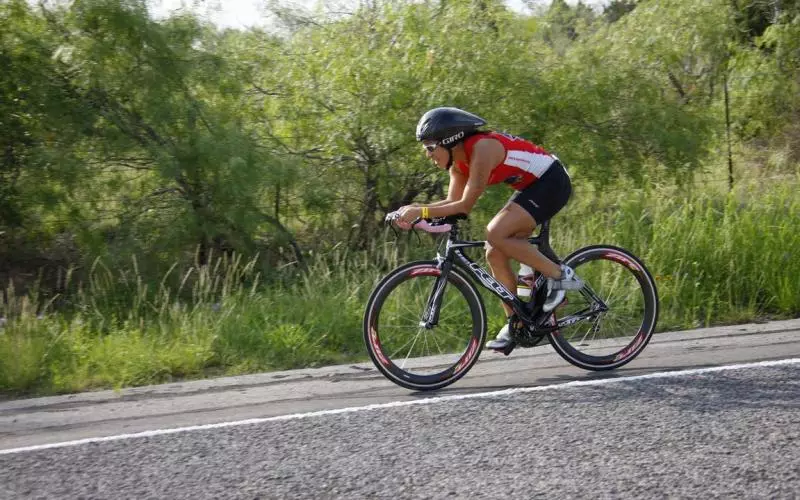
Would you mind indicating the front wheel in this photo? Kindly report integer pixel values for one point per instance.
(616, 312)
(397, 340)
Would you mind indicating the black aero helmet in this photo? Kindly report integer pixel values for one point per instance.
(447, 126)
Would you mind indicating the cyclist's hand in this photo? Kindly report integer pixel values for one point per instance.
(394, 218)
(410, 213)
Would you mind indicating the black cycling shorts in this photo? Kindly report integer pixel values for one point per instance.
(545, 197)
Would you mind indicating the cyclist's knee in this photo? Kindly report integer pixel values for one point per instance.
(494, 256)
(494, 236)
(497, 234)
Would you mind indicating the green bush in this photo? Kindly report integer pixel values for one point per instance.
(717, 257)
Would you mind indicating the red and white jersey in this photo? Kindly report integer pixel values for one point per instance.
(525, 162)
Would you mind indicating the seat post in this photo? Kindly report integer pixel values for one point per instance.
(543, 241)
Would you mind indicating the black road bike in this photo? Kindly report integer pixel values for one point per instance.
(425, 322)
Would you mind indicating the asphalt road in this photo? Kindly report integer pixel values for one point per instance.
(710, 413)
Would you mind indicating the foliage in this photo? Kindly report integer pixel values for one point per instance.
(706, 249)
(152, 147)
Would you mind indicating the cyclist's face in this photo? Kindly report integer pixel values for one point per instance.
(436, 153)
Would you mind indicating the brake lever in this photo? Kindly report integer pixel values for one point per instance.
(414, 229)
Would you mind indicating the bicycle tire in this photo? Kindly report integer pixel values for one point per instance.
(615, 344)
(391, 303)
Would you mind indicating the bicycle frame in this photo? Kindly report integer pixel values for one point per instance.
(454, 255)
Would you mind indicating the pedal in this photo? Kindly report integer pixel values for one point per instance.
(506, 350)
(510, 347)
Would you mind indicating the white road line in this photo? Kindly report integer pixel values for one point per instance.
(398, 404)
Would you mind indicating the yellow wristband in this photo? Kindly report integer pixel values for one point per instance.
(425, 213)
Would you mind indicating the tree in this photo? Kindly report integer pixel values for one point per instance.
(40, 120)
(348, 110)
(152, 116)
(616, 9)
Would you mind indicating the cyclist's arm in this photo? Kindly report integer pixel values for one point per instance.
(487, 154)
(455, 191)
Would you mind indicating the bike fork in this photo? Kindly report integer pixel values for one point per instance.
(430, 317)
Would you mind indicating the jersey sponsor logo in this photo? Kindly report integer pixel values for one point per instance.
(535, 163)
(452, 139)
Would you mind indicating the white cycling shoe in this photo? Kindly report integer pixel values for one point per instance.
(501, 341)
(556, 289)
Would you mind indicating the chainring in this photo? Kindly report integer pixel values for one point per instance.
(523, 335)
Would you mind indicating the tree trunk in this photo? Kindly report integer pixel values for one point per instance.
(728, 128)
(367, 219)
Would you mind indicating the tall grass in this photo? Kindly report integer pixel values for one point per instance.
(214, 319)
(717, 257)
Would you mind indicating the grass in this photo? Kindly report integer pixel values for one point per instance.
(717, 257)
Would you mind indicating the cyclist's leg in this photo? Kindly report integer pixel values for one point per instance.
(500, 264)
(502, 235)
(534, 205)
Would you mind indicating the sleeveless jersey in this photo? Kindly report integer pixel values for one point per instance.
(523, 165)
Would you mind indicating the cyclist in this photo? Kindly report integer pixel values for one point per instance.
(451, 137)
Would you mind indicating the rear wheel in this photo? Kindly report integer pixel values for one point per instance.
(621, 298)
(402, 348)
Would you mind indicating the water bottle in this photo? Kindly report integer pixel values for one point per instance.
(525, 281)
